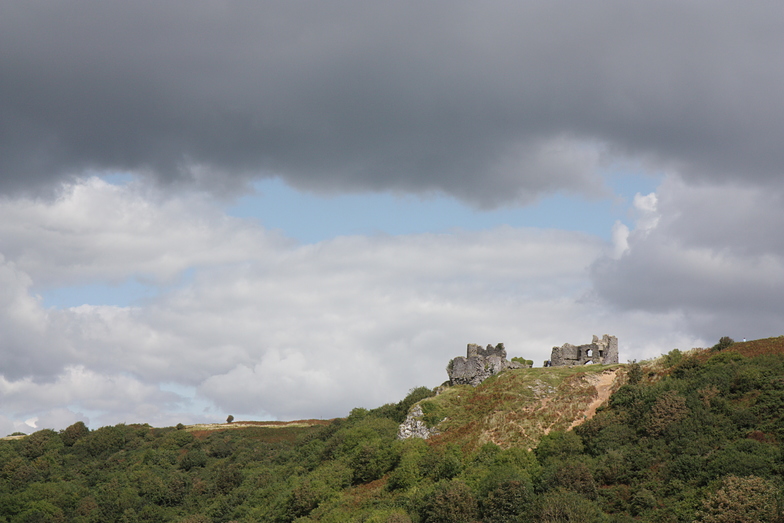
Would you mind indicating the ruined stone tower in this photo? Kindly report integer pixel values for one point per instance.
(479, 364)
(604, 351)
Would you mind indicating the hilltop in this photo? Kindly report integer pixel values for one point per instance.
(691, 436)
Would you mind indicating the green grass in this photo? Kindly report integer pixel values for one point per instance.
(514, 408)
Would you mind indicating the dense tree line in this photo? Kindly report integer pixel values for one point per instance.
(694, 439)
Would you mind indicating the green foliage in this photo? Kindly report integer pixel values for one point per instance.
(559, 444)
(433, 413)
(724, 343)
(669, 408)
(564, 505)
(523, 361)
(507, 502)
(451, 502)
(370, 461)
(699, 442)
(410, 467)
(74, 433)
(740, 499)
(672, 358)
(634, 372)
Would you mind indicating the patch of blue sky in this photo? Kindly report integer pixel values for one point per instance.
(190, 401)
(126, 294)
(117, 178)
(129, 293)
(310, 218)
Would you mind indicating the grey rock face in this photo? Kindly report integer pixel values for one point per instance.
(414, 427)
(604, 351)
(479, 364)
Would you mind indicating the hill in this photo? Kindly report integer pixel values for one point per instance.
(689, 437)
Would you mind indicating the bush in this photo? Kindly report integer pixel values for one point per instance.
(634, 372)
(672, 358)
(740, 499)
(451, 502)
(724, 342)
(74, 433)
(371, 461)
(559, 444)
(506, 502)
(570, 475)
(670, 408)
(563, 505)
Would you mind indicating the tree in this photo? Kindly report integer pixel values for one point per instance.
(230, 419)
(670, 408)
(634, 372)
(740, 499)
(724, 342)
(506, 502)
(73, 433)
(452, 502)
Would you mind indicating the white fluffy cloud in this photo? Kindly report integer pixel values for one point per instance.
(266, 327)
(95, 231)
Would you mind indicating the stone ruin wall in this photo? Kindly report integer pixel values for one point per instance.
(603, 351)
(479, 364)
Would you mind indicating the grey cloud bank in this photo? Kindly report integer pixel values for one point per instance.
(494, 104)
(286, 331)
(486, 102)
(713, 253)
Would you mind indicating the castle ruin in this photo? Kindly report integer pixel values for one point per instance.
(603, 351)
(479, 364)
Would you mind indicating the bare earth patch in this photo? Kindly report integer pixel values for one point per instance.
(604, 388)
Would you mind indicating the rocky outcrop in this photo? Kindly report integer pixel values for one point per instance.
(414, 426)
(479, 364)
(604, 351)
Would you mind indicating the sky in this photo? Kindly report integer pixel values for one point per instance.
(285, 210)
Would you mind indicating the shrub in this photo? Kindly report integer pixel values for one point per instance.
(634, 372)
(506, 502)
(451, 502)
(670, 408)
(570, 475)
(672, 358)
(371, 461)
(563, 505)
(559, 444)
(724, 342)
(192, 459)
(74, 433)
(740, 499)
(305, 497)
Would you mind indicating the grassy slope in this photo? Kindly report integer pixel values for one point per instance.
(513, 409)
(516, 408)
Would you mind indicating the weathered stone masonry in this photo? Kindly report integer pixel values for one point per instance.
(604, 351)
(479, 364)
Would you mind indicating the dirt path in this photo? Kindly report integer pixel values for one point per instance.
(604, 385)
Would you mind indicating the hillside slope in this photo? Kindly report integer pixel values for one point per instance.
(517, 407)
(689, 437)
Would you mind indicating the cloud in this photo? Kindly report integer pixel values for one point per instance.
(94, 231)
(712, 252)
(450, 97)
(265, 327)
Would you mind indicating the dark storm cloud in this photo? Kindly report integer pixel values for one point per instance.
(460, 97)
(713, 253)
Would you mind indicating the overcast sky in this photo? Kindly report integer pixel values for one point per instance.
(284, 210)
